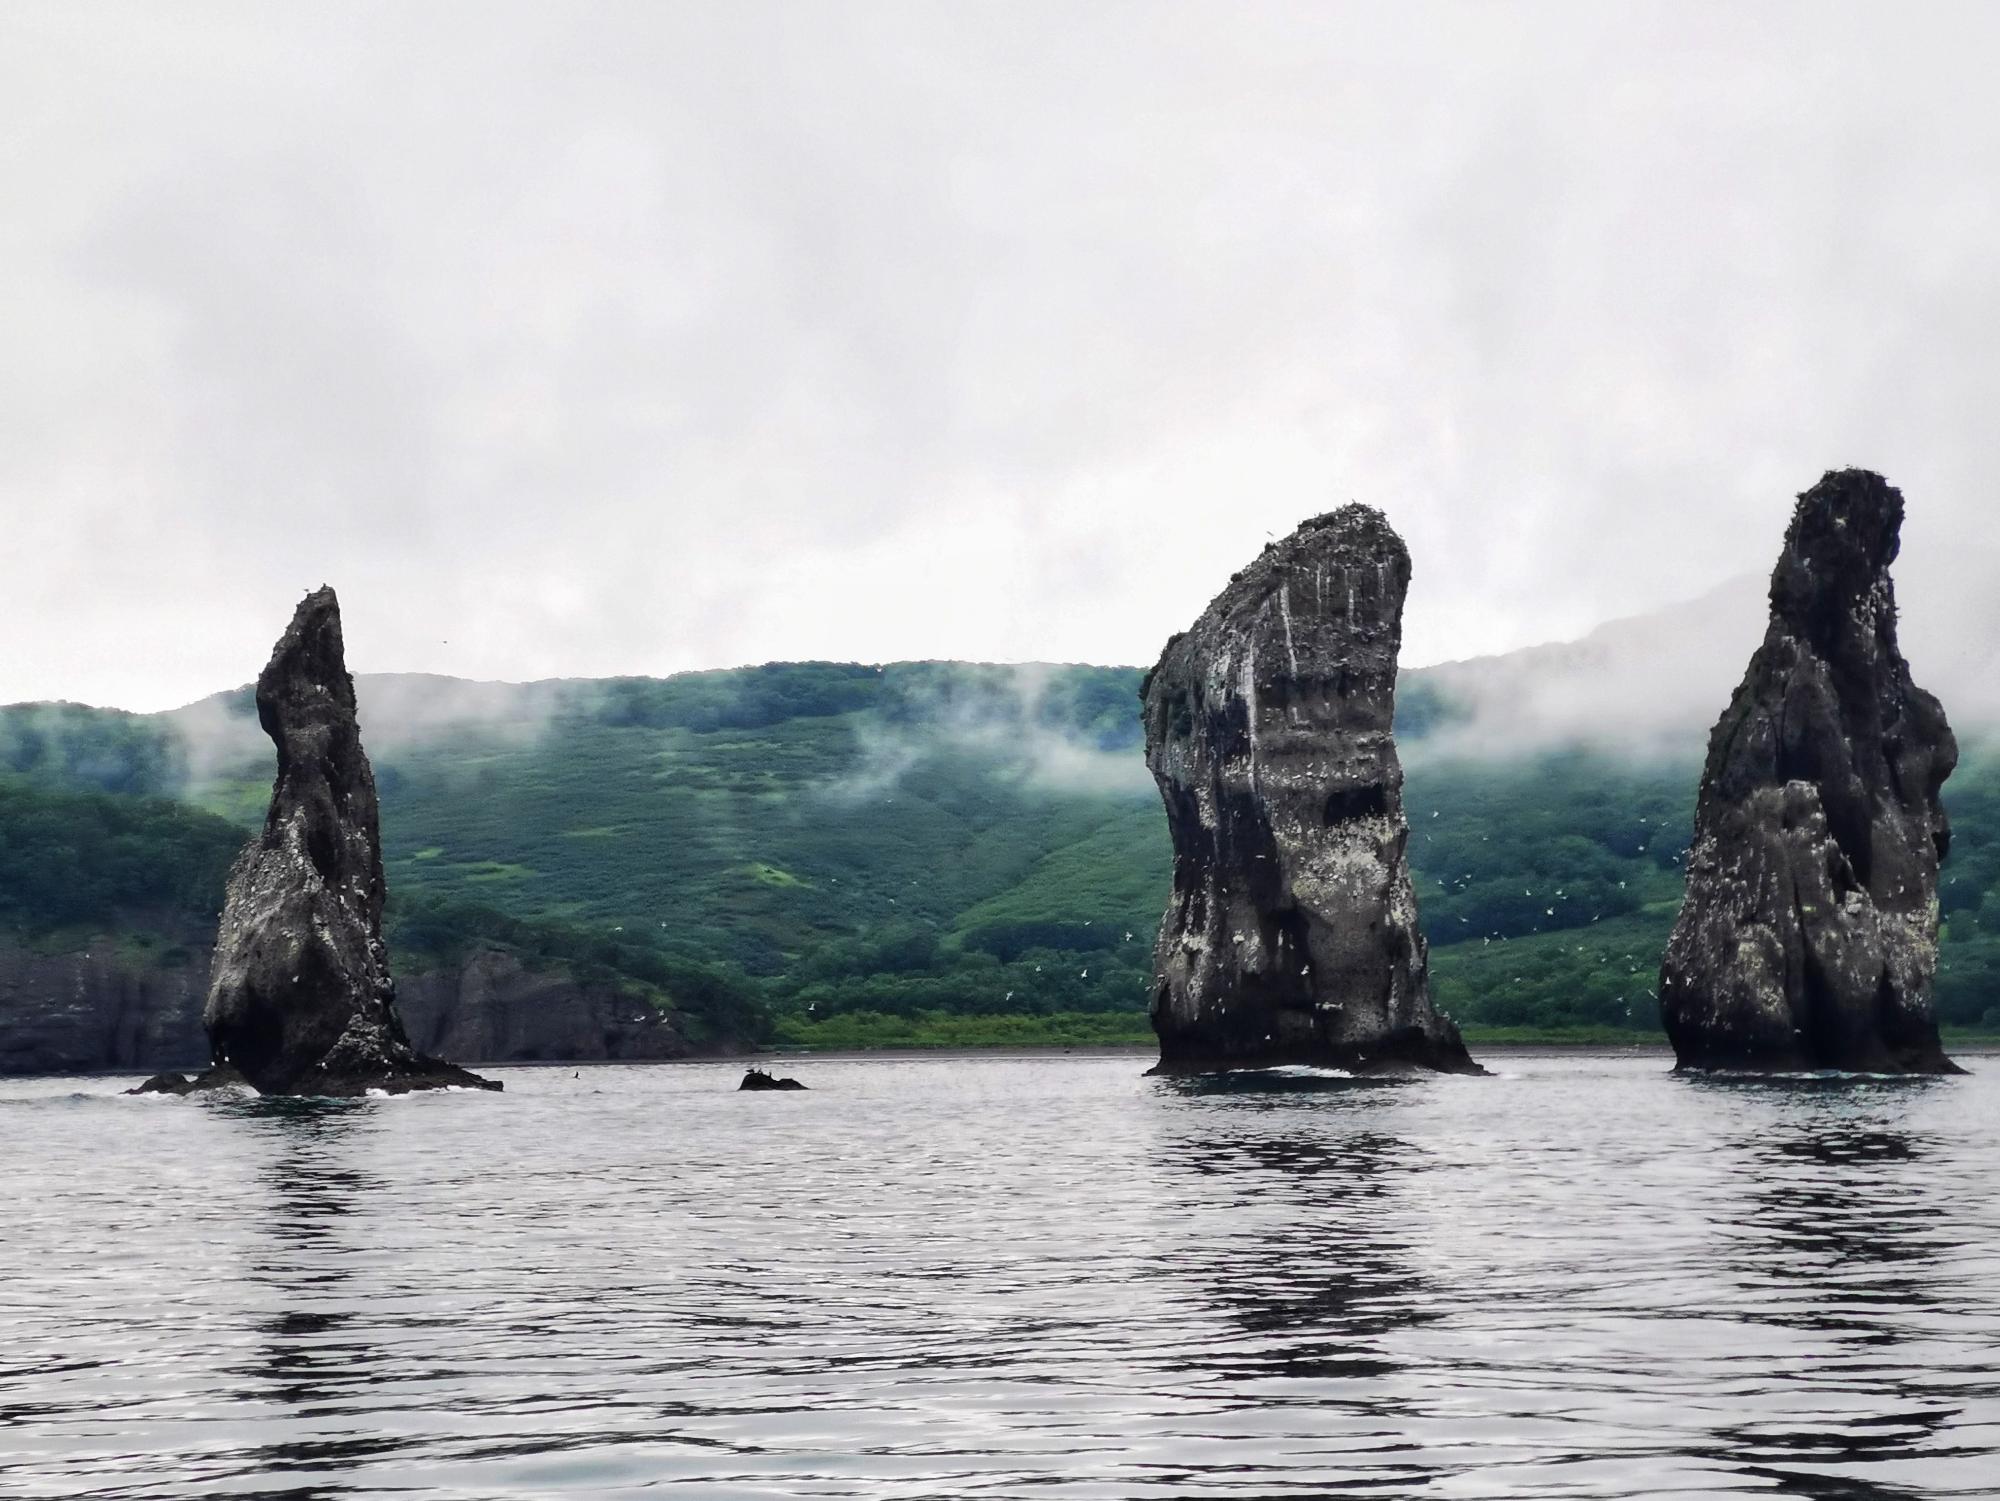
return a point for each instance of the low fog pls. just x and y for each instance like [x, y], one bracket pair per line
[399, 712]
[1653, 685]
[1001, 717]
[1010, 728]
[1648, 687]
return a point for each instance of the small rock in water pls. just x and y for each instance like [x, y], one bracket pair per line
[756, 1078]
[222, 1076]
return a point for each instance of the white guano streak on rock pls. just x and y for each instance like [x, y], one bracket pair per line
[1246, 685]
[1285, 611]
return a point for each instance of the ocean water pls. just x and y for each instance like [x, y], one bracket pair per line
[1008, 1277]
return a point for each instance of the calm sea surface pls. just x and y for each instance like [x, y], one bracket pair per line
[1035, 1277]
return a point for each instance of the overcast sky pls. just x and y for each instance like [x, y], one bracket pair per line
[580, 339]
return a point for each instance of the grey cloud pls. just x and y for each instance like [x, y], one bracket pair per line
[630, 338]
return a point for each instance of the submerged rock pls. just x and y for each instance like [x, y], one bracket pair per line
[1291, 935]
[222, 1076]
[756, 1078]
[300, 997]
[1808, 938]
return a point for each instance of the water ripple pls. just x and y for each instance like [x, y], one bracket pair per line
[1010, 1277]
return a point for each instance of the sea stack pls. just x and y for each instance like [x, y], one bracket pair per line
[1291, 935]
[301, 1001]
[1808, 939]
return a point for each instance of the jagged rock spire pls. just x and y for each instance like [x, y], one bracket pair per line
[302, 1000]
[1808, 938]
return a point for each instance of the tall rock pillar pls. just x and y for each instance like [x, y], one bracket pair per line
[301, 1000]
[1291, 935]
[1808, 939]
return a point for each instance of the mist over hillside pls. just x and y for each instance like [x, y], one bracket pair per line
[868, 845]
[1654, 684]
[1648, 685]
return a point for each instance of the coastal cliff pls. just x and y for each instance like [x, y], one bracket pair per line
[110, 1006]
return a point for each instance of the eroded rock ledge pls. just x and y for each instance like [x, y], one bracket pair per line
[1291, 935]
[1808, 939]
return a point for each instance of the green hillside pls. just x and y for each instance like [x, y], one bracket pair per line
[926, 850]
[74, 860]
[77, 864]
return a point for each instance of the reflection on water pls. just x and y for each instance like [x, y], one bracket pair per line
[1846, 1233]
[950, 1278]
[1316, 1278]
[1323, 1275]
[314, 1356]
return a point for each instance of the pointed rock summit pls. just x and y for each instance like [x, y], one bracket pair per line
[302, 1001]
[1809, 936]
[1291, 935]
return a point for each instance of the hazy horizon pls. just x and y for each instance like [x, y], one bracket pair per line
[248, 678]
[1632, 682]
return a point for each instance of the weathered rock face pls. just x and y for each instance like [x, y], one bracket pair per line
[97, 1008]
[493, 1009]
[1808, 938]
[301, 999]
[1291, 935]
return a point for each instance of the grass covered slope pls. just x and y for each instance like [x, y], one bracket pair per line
[78, 862]
[963, 844]
[936, 852]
